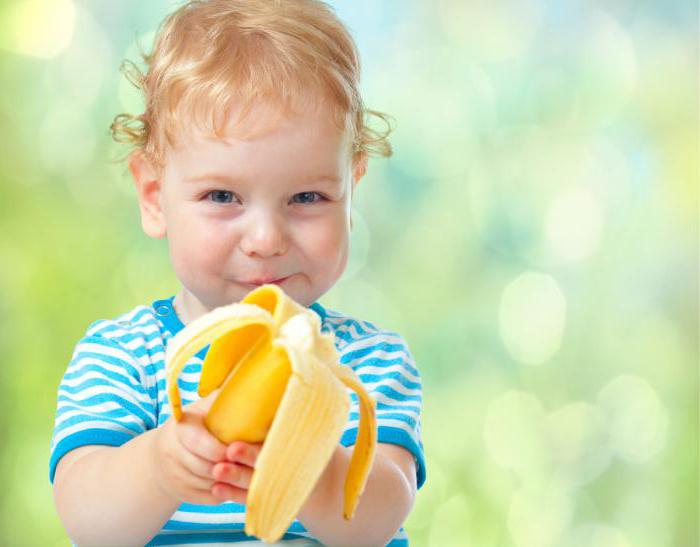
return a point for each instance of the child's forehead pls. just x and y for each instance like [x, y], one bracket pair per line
[266, 142]
[260, 120]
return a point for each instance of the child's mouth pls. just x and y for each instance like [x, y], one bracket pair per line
[258, 282]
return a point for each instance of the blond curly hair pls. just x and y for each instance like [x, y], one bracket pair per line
[209, 55]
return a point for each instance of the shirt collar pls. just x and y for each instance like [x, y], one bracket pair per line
[165, 311]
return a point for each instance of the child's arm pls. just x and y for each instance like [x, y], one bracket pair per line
[108, 496]
[124, 495]
[383, 506]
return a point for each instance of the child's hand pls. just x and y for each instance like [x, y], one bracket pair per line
[184, 454]
[235, 471]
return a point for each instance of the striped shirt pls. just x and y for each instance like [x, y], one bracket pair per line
[114, 388]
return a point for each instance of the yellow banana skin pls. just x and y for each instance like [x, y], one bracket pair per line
[281, 384]
[365, 444]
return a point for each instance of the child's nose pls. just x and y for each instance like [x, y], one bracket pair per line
[265, 236]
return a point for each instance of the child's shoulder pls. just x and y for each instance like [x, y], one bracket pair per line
[132, 340]
[350, 329]
[138, 323]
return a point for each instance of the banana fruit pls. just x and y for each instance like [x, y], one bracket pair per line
[281, 384]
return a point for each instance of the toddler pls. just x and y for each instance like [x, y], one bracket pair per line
[245, 160]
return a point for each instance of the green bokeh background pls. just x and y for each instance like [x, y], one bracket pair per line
[534, 238]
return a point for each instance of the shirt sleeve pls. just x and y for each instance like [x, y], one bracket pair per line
[386, 368]
[102, 399]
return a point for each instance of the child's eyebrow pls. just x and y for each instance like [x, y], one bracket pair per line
[327, 180]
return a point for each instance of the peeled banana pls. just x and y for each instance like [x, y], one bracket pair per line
[281, 384]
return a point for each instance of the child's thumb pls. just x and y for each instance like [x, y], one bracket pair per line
[204, 404]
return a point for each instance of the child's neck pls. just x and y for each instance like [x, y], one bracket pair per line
[185, 309]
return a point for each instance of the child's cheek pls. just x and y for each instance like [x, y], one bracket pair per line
[204, 245]
[328, 238]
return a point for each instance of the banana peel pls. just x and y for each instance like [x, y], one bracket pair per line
[282, 384]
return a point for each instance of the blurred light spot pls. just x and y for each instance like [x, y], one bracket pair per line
[451, 523]
[66, 141]
[608, 74]
[595, 535]
[595, 162]
[464, 105]
[38, 28]
[636, 417]
[531, 317]
[118, 281]
[527, 172]
[463, 101]
[508, 197]
[532, 153]
[646, 509]
[30, 461]
[359, 245]
[547, 95]
[574, 224]
[479, 201]
[478, 385]
[84, 65]
[374, 306]
[514, 432]
[518, 185]
[89, 192]
[578, 443]
[608, 171]
[365, 18]
[539, 515]
[145, 270]
[658, 336]
[490, 31]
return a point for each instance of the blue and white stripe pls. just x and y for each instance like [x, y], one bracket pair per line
[114, 388]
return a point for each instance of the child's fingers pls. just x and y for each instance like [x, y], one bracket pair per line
[196, 465]
[202, 443]
[242, 452]
[233, 474]
[191, 480]
[198, 483]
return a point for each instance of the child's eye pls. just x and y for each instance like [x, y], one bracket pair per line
[225, 196]
[219, 194]
[311, 194]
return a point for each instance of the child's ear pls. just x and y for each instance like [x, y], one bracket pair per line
[359, 167]
[148, 190]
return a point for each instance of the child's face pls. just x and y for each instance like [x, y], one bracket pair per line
[275, 205]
